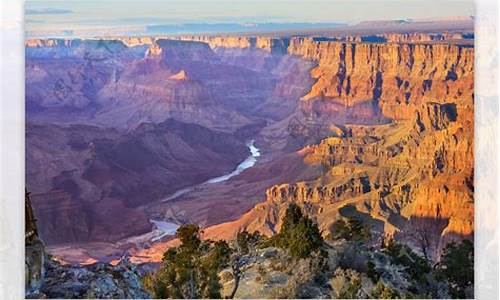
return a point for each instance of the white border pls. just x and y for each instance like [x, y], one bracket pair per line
[11, 150]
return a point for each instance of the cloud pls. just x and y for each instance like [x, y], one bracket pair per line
[48, 11]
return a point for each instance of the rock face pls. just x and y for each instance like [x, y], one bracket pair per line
[34, 252]
[396, 77]
[100, 281]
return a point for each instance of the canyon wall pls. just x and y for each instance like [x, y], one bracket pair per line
[397, 74]
[397, 77]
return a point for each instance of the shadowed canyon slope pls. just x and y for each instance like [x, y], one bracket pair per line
[379, 127]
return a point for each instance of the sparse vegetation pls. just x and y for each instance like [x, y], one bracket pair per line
[350, 230]
[346, 284]
[298, 269]
[303, 275]
[382, 291]
[457, 268]
[417, 267]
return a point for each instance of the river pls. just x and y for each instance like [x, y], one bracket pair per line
[249, 162]
[169, 228]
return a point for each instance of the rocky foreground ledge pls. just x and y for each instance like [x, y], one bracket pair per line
[47, 278]
[100, 281]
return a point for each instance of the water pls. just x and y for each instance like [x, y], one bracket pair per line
[169, 228]
[179, 193]
[249, 162]
[166, 228]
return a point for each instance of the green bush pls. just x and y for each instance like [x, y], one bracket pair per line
[246, 240]
[381, 291]
[417, 267]
[352, 230]
[189, 236]
[190, 270]
[457, 267]
[298, 234]
[242, 241]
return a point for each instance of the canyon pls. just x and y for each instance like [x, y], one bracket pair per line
[376, 126]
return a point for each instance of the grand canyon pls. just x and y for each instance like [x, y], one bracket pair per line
[128, 138]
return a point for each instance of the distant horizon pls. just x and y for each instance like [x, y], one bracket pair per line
[91, 18]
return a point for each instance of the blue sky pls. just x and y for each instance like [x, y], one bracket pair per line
[114, 15]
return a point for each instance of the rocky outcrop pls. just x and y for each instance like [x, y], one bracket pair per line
[396, 77]
[100, 281]
[34, 271]
[179, 76]
[272, 273]
[47, 278]
[411, 179]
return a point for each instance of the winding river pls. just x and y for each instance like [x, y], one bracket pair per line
[169, 228]
[249, 162]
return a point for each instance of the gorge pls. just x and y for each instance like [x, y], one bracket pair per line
[151, 128]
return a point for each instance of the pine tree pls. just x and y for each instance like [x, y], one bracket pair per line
[457, 267]
[190, 270]
[299, 234]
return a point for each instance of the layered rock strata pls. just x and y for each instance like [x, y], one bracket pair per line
[389, 118]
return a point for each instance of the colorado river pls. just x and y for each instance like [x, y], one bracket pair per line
[249, 162]
[169, 228]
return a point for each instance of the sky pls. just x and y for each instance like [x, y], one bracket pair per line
[44, 17]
